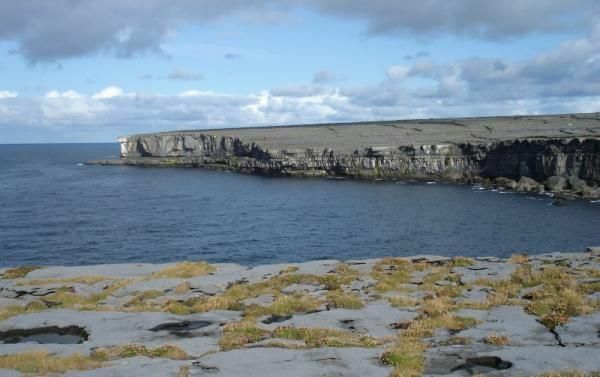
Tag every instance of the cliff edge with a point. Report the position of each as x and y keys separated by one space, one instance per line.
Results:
x=564 y=148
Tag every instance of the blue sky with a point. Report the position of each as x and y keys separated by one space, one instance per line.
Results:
x=117 y=67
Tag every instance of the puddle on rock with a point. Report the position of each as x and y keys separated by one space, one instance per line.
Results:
x=274 y=318
x=483 y=364
x=45 y=335
x=182 y=328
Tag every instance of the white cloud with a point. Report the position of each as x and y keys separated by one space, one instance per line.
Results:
x=398 y=72
x=108 y=92
x=70 y=94
x=8 y=94
x=195 y=93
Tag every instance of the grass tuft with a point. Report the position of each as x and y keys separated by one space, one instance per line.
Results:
x=168 y=351
x=320 y=337
x=42 y=363
x=184 y=270
x=238 y=334
x=19 y=272
x=497 y=340
x=341 y=300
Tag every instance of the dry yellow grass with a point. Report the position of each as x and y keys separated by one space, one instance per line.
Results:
x=19 y=272
x=404 y=301
x=11 y=311
x=570 y=373
x=284 y=305
x=496 y=339
x=519 y=259
x=168 y=351
x=42 y=363
x=184 y=270
x=343 y=300
x=86 y=279
x=238 y=334
x=320 y=337
x=66 y=298
x=406 y=357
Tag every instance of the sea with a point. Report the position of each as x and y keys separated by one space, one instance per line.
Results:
x=55 y=210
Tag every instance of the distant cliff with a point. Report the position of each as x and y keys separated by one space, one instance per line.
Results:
x=465 y=149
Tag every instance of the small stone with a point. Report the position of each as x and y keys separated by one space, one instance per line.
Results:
x=445 y=283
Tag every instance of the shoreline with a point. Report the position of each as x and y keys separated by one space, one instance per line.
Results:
x=424 y=315
x=558 y=153
x=528 y=186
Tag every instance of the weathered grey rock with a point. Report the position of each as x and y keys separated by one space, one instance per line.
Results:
x=476 y=294
x=9 y=373
x=275 y=362
x=116 y=328
x=134 y=366
x=581 y=331
x=125 y=270
x=493 y=271
x=579 y=185
x=302 y=288
x=445 y=283
x=527 y=184
x=262 y=300
x=530 y=360
x=511 y=321
x=555 y=183
x=506 y=183
x=376 y=319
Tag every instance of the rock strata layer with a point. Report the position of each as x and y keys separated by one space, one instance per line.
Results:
x=537 y=147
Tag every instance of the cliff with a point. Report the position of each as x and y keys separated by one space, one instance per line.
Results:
x=537 y=147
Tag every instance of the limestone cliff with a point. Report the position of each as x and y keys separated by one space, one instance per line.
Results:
x=513 y=147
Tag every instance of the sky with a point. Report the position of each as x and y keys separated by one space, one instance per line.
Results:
x=90 y=71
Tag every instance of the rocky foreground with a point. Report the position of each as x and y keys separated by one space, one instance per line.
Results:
x=425 y=315
x=557 y=153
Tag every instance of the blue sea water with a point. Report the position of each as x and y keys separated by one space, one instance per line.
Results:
x=56 y=211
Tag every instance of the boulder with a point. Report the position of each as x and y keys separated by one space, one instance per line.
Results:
x=506 y=183
x=527 y=184
x=555 y=183
x=579 y=186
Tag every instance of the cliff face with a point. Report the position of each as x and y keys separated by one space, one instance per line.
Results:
x=538 y=159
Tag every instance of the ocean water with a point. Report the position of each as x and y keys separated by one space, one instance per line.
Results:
x=56 y=211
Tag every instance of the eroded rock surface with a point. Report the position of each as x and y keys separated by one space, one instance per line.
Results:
x=429 y=315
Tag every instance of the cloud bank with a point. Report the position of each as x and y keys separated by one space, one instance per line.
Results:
x=126 y=28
